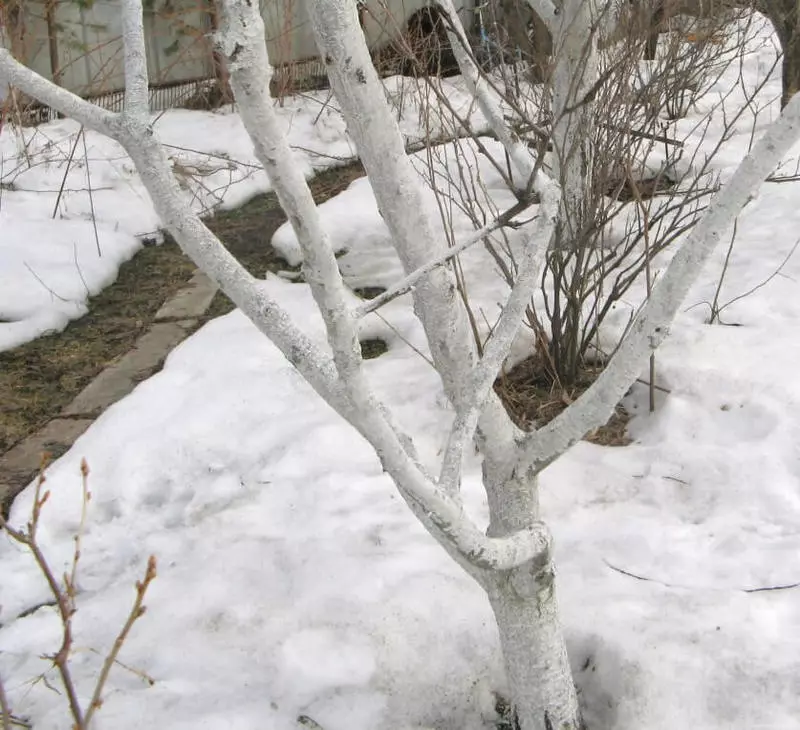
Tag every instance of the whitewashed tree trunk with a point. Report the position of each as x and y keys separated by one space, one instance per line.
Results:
x=513 y=561
x=535 y=656
x=526 y=610
x=527 y=618
x=574 y=77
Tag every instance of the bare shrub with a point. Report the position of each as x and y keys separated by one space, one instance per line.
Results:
x=650 y=182
x=65 y=594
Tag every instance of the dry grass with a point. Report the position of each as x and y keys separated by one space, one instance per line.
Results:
x=38 y=379
x=532 y=400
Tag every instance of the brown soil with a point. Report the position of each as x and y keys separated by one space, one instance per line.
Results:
x=40 y=378
x=532 y=401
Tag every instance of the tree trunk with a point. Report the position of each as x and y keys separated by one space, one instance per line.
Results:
x=574 y=77
x=530 y=36
x=789 y=35
x=526 y=611
x=535 y=655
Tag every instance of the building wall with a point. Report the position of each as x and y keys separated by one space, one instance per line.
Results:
x=86 y=55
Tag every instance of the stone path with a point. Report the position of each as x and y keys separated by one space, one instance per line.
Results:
x=173 y=322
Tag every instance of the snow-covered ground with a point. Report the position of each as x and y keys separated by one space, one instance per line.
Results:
x=293 y=581
x=52 y=260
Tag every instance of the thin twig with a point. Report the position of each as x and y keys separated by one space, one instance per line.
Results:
x=66 y=171
x=648 y=270
x=4 y=707
x=645 y=579
x=407 y=284
x=715 y=309
x=136 y=612
x=91 y=194
x=403 y=339
x=65 y=601
x=71 y=581
x=65 y=605
x=39 y=279
x=766 y=281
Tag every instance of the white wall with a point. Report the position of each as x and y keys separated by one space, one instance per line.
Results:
x=179 y=46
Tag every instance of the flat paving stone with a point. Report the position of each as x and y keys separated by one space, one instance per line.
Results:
x=191 y=301
x=120 y=378
x=21 y=464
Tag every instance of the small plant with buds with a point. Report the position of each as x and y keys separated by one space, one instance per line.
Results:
x=64 y=594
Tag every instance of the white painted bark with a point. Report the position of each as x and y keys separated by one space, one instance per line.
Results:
x=401 y=199
x=398 y=191
x=489 y=102
x=531 y=637
x=651 y=326
x=437 y=505
x=496 y=349
x=574 y=76
x=443 y=513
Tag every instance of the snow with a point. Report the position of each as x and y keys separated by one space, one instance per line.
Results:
x=51 y=263
x=293 y=581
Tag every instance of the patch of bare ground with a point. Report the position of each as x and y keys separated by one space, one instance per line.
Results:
x=40 y=378
x=532 y=400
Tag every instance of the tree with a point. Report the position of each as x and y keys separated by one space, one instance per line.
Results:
x=513 y=560
x=783 y=14
x=643 y=169
x=785 y=17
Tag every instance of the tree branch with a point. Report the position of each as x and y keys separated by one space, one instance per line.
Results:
x=136 y=612
x=489 y=103
x=243 y=43
x=402 y=203
x=407 y=284
x=650 y=327
x=247 y=55
x=194 y=238
x=433 y=506
x=502 y=337
x=29 y=82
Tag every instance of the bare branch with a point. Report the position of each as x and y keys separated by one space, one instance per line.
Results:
x=136 y=612
x=489 y=102
x=249 y=294
x=651 y=325
x=243 y=42
x=29 y=82
x=401 y=200
x=503 y=334
x=407 y=284
x=64 y=603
